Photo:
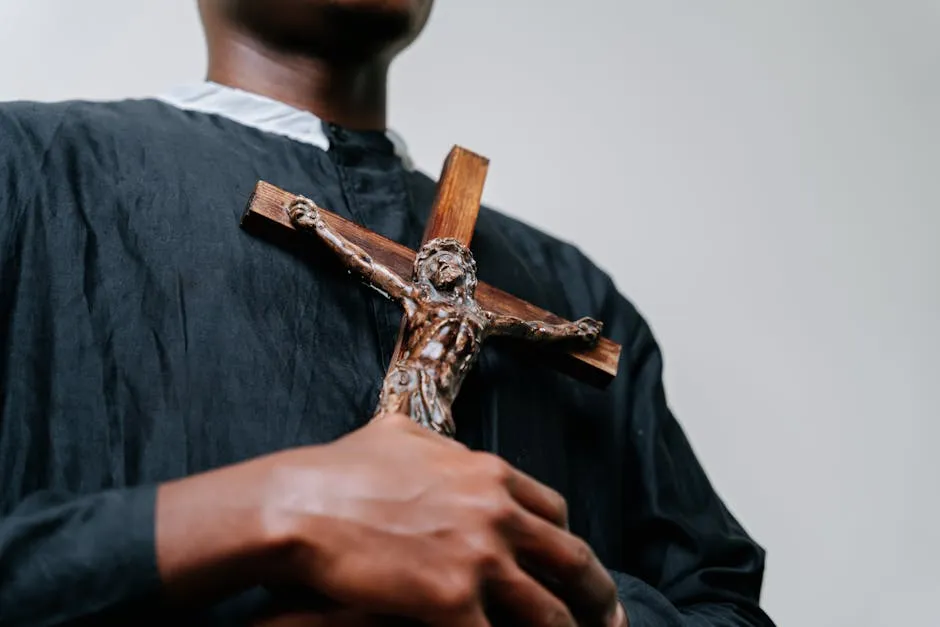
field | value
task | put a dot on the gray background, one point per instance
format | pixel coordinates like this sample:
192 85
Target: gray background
761 178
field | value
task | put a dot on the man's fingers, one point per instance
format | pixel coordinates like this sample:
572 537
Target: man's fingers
339 618
528 602
525 490
571 567
620 617
472 617
537 498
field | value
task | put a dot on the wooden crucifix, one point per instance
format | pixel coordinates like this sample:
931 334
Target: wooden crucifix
447 314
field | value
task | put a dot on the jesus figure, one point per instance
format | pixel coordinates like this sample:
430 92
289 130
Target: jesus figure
444 324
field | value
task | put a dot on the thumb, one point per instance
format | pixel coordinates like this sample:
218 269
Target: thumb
395 419
398 420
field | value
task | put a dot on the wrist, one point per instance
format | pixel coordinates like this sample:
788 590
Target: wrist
292 528
213 537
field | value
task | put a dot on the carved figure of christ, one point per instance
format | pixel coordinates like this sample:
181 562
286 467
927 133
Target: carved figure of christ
444 325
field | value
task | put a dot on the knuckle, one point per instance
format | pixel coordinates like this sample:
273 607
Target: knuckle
581 556
557 616
455 591
482 552
488 562
559 507
494 467
501 510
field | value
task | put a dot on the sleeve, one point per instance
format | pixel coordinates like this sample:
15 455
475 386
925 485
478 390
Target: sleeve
687 561
63 557
67 558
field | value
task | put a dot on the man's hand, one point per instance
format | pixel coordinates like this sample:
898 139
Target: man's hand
390 520
333 618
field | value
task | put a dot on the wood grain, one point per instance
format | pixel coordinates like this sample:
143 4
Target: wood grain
267 211
459 192
455 209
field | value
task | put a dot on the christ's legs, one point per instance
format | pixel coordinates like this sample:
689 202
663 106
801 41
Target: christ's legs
408 389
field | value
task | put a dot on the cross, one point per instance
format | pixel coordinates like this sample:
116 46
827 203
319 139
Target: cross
453 215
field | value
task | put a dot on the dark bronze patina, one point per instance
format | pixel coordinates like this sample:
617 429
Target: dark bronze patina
444 325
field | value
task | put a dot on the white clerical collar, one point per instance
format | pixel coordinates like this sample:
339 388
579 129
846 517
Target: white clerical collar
262 113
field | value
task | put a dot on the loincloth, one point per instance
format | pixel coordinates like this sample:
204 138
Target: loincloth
411 390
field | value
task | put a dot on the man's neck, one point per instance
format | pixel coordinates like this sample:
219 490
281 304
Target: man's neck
353 96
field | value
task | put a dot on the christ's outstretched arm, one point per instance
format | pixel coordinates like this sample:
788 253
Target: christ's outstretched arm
583 333
305 215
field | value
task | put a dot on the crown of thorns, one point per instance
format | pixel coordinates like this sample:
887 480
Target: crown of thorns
448 244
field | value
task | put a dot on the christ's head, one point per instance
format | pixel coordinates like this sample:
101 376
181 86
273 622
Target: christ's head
448 267
341 30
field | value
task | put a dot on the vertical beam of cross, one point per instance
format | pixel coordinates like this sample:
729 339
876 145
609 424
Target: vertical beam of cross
459 192
456 205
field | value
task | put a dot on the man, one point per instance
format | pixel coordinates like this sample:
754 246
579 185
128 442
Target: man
185 429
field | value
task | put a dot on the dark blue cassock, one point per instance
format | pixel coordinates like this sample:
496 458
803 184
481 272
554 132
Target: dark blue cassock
145 336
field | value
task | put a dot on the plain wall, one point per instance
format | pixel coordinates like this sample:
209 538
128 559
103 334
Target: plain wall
760 178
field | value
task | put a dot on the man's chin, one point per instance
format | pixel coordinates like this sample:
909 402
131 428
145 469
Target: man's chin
338 28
